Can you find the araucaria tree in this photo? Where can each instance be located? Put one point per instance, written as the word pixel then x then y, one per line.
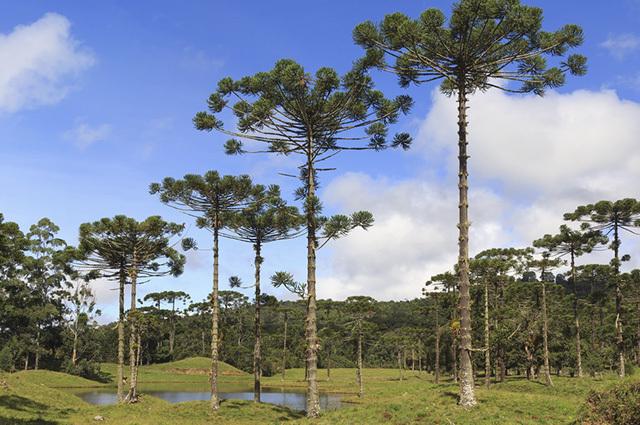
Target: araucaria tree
pixel 289 111
pixel 359 309
pixel 486 44
pixel 131 249
pixel 573 243
pixel 211 199
pixel 612 218
pixel 266 219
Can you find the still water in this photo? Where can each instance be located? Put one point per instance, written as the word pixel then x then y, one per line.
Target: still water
pixel 288 398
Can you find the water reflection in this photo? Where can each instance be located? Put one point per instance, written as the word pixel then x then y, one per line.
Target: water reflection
pixel 292 399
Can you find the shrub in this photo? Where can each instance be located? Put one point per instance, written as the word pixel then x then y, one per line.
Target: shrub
pixel 86 369
pixel 617 406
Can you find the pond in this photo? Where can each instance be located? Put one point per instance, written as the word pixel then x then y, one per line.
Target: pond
pixel 292 399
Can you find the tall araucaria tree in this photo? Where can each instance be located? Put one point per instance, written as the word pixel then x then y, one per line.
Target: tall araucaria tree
pixel 125 248
pixel 486 44
pixel 266 219
pixel 573 243
pixel 612 218
pixel 289 111
pixel 211 199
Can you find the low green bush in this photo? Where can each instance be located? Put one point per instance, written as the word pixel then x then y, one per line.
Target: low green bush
pixel 617 406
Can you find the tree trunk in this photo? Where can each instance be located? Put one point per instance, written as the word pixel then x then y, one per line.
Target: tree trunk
pixel 575 315
pixel 619 334
pixel 36 363
pixel 215 401
pixel 120 373
pixel 26 361
pixel 284 346
pixel 638 334
pixel 437 350
pixel 329 363
pixel 172 328
pixel 132 397
pixel 545 337
pixel 257 360
pixel 454 357
pixel 313 397
pixel 360 378
pixel 400 364
pixel 467 390
pixel 487 354
pixel 74 351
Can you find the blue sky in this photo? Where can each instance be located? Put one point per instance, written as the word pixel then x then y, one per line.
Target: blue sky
pixel 93 112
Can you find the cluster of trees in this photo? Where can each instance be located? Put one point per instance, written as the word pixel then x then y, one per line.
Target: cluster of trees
pixel 508 302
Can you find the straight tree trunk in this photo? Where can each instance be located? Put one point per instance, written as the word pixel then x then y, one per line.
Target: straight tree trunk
pixel 360 378
pixel 437 350
pixel 257 359
pixel 132 397
pixel 120 372
pixel 74 352
pixel 329 363
pixel 172 329
pixel 215 401
pixel 26 361
pixel 467 385
pixel 545 336
pixel 400 364
pixel 36 363
pixel 575 315
pixel 487 354
pixel 413 360
pixel 313 397
pixel 619 334
pixel 454 356
pixel 284 346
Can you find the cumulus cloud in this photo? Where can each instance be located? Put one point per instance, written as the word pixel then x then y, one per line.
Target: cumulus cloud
pixel 532 159
pixel 84 135
pixel 621 45
pixel 39 61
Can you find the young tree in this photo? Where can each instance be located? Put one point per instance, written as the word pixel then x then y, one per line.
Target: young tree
pixel 545 264
pixel 266 219
pixel 611 218
pixel 359 310
pixel 81 307
pixel 486 44
pixel 433 290
pixel 573 243
pixel 211 199
pixel 292 112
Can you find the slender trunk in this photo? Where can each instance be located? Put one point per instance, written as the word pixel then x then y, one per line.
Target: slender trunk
pixel 215 401
pixel 284 346
pixel 545 336
pixel 400 364
pixel 257 360
pixel 120 373
pixel 313 397
pixel 487 354
pixel 36 363
pixel 467 390
pixel 172 328
pixel 203 343
pixel 575 314
pixel 26 361
pixel 132 397
pixel 437 350
pixel 329 363
pixel 74 351
pixel 360 379
pixel 619 334
pixel 454 356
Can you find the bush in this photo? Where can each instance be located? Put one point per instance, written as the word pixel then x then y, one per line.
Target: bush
pixel 86 369
pixel 617 406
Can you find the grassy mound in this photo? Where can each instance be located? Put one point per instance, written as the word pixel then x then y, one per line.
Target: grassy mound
pixel 52 379
pixel 617 406
pixel 197 366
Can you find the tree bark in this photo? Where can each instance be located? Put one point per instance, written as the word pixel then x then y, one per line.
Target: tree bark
pixel 257 359
pixel 120 372
pixel 36 363
pixel 313 397
pixel 215 401
pixel 619 334
pixel 284 346
pixel 467 389
pixel 360 378
pixel 575 314
pixel 487 355
pixel 437 350
pixel 545 336
pixel 132 397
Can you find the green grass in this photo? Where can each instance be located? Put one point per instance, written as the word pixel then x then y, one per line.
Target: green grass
pixel 40 398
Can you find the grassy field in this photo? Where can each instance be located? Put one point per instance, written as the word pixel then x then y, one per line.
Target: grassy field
pixel 44 397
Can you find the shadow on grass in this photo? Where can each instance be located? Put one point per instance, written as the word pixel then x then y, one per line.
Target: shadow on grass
pixel 15 402
pixel 18 421
pixel 285 413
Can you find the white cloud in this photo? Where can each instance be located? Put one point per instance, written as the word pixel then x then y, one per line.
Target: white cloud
pixel 532 159
pixel 38 61
pixel 621 45
pixel 84 135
